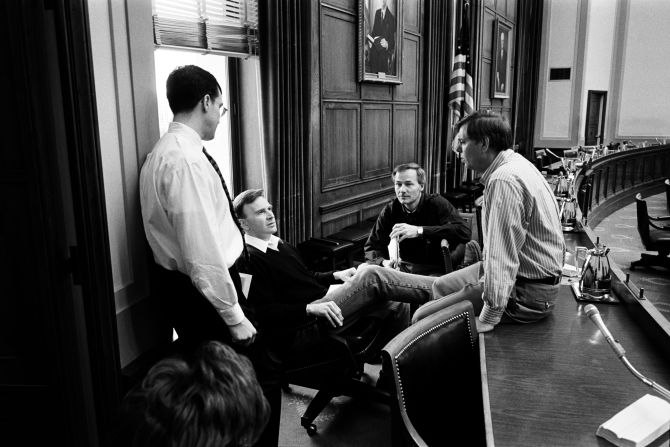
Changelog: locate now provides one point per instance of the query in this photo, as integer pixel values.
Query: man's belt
(549, 280)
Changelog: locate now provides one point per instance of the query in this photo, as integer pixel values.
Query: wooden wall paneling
(485, 84)
(377, 92)
(360, 123)
(340, 146)
(491, 10)
(487, 33)
(369, 192)
(373, 209)
(347, 5)
(339, 55)
(412, 17)
(405, 134)
(411, 66)
(334, 222)
(376, 139)
(510, 11)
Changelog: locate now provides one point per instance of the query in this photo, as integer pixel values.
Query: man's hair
(187, 85)
(210, 400)
(420, 173)
(245, 198)
(487, 124)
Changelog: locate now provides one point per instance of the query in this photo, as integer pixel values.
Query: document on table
(639, 423)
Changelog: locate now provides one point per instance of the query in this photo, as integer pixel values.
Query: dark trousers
(196, 320)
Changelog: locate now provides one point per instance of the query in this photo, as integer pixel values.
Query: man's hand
(345, 275)
(404, 231)
(384, 44)
(391, 264)
(483, 327)
(328, 310)
(243, 333)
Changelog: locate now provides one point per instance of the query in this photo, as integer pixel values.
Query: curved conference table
(554, 382)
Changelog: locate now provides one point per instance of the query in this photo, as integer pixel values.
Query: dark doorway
(595, 117)
(59, 369)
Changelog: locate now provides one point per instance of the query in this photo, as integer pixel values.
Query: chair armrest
(660, 218)
(659, 227)
(446, 256)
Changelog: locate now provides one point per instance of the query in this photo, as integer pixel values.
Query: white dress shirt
(187, 218)
(272, 243)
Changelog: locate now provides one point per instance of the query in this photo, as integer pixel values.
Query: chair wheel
(311, 429)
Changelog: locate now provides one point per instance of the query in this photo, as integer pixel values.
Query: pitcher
(596, 280)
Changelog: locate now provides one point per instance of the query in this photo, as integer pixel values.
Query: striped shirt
(522, 232)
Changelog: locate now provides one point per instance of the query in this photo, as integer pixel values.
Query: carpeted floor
(356, 423)
(618, 231)
(344, 422)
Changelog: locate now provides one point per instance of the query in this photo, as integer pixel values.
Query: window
(203, 33)
(229, 26)
(167, 59)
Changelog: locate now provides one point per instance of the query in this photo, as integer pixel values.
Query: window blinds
(228, 26)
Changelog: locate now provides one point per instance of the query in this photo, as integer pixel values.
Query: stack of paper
(638, 424)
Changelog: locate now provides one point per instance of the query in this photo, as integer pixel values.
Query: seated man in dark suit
(284, 294)
(419, 221)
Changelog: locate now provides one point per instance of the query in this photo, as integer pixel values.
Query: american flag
(460, 85)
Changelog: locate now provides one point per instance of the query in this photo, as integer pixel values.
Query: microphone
(593, 313)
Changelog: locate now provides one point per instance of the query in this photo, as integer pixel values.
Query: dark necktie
(230, 202)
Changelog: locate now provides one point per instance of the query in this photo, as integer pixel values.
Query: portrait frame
(500, 61)
(373, 52)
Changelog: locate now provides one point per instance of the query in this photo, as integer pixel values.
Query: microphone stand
(594, 315)
(658, 388)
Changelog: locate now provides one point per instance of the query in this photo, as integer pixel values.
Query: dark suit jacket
(386, 28)
(501, 68)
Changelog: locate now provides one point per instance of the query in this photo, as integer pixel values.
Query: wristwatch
(420, 231)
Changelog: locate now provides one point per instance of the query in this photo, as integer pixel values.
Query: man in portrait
(501, 65)
(381, 41)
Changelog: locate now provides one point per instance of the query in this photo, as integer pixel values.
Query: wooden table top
(552, 383)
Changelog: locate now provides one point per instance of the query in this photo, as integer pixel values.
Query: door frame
(602, 115)
(91, 377)
(85, 162)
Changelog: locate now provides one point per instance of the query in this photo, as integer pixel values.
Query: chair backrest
(667, 194)
(436, 370)
(643, 222)
(474, 221)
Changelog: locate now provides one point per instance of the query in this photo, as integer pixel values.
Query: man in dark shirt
(419, 221)
(285, 294)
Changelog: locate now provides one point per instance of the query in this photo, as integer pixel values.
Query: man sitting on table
(518, 279)
(285, 294)
(420, 221)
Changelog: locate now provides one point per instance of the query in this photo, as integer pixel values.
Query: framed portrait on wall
(500, 66)
(380, 41)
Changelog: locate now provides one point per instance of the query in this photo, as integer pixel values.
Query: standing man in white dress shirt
(193, 232)
(519, 277)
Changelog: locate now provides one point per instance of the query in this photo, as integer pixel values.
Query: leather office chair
(470, 252)
(438, 396)
(335, 367)
(655, 239)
